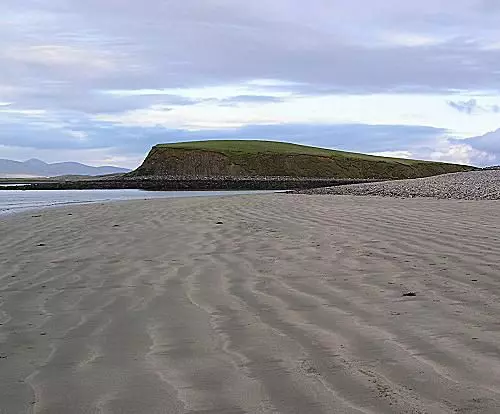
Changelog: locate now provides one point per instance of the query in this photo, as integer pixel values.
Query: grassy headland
(278, 159)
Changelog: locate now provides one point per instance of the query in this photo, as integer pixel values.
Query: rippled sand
(292, 305)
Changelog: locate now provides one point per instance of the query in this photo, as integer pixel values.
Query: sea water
(13, 201)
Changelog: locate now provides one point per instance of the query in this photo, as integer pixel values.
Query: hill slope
(37, 168)
(269, 158)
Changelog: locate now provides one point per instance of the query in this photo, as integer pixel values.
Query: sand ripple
(292, 305)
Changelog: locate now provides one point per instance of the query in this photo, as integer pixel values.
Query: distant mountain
(37, 168)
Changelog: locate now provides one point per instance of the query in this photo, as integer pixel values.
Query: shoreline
(190, 184)
(260, 304)
(157, 195)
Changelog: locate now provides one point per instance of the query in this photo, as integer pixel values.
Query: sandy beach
(253, 304)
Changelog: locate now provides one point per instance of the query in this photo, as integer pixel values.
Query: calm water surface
(12, 201)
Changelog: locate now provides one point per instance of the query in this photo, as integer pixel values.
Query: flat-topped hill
(279, 159)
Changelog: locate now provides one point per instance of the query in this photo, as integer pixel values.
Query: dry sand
(293, 305)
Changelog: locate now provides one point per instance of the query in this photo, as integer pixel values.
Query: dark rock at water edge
(190, 183)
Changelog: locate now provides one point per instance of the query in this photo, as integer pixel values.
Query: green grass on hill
(273, 147)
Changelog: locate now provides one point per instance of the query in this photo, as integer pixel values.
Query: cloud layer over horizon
(100, 82)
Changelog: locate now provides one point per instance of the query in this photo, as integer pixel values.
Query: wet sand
(291, 304)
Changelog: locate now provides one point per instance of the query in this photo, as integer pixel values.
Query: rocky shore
(475, 185)
(174, 183)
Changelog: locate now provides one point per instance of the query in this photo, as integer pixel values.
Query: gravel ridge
(474, 185)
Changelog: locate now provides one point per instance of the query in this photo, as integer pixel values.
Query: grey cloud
(349, 137)
(489, 143)
(157, 44)
(489, 6)
(472, 107)
(63, 97)
(467, 107)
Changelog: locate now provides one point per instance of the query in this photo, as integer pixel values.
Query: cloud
(132, 143)
(461, 153)
(467, 107)
(472, 107)
(482, 150)
(117, 76)
(154, 44)
(393, 154)
(488, 143)
(249, 99)
(59, 56)
(58, 134)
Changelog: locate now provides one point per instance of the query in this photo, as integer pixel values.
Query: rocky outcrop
(180, 162)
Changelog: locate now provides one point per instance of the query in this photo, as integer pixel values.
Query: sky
(100, 82)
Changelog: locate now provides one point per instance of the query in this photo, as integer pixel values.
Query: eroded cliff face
(180, 162)
(176, 162)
